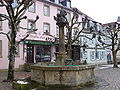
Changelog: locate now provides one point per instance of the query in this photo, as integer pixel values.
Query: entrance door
(76, 53)
(30, 53)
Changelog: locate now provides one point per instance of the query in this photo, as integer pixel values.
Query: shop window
(0, 48)
(43, 53)
(46, 28)
(46, 10)
(31, 25)
(32, 8)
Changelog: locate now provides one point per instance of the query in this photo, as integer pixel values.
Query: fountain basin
(72, 75)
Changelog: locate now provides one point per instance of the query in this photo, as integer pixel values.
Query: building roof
(67, 8)
(107, 24)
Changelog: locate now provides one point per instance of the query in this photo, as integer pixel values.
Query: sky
(103, 11)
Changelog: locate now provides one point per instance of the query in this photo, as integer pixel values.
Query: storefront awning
(39, 43)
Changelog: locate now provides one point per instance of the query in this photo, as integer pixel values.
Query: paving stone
(107, 78)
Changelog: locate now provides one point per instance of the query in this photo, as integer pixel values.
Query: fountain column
(61, 22)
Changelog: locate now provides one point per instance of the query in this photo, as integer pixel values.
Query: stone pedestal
(61, 59)
(62, 76)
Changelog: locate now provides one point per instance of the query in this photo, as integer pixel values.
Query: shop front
(38, 51)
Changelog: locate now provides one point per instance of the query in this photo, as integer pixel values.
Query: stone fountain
(61, 74)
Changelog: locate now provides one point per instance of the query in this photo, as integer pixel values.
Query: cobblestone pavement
(7, 85)
(107, 79)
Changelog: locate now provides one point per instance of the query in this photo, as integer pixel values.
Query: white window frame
(28, 26)
(44, 28)
(68, 16)
(68, 4)
(46, 10)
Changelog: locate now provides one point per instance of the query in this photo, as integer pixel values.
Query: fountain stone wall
(62, 75)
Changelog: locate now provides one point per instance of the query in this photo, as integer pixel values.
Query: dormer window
(66, 3)
(57, 1)
(52, 0)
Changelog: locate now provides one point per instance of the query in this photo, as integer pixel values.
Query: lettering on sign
(38, 37)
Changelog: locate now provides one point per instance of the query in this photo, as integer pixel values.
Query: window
(17, 51)
(68, 16)
(46, 28)
(46, 10)
(102, 56)
(92, 55)
(0, 48)
(58, 11)
(81, 41)
(57, 1)
(15, 3)
(75, 33)
(97, 54)
(57, 31)
(0, 25)
(32, 8)
(52, 0)
(68, 4)
(85, 55)
(43, 53)
(31, 25)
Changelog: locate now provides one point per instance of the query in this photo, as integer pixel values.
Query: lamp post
(61, 22)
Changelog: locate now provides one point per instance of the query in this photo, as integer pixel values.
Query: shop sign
(37, 37)
(38, 43)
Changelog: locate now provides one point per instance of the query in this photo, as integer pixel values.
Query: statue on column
(61, 18)
(61, 22)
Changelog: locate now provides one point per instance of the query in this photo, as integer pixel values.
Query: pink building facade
(38, 46)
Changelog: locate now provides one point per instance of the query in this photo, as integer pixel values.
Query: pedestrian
(109, 58)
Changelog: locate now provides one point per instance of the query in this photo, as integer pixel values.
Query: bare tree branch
(6, 35)
(23, 38)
